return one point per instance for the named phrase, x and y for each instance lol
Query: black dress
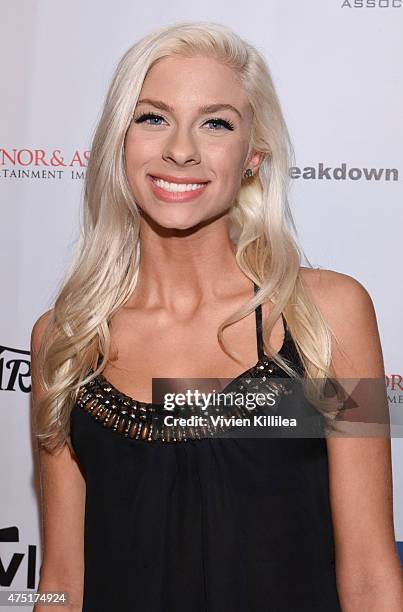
(176, 523)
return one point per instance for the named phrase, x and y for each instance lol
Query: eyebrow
(206, 108)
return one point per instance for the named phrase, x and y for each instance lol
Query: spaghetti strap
(284, 325)
(259, 334)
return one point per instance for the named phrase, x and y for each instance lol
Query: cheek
(137, 152)
(228, 160)
(231, 172)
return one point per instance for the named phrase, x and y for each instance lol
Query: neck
(181, 270)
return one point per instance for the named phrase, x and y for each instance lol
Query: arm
(369, 576)
(62, 506)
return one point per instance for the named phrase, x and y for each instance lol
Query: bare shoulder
(37, 334)
(328, 285)
(349, 312)
(39, 328)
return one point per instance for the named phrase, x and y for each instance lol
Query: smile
(175, 192)
(177, 186)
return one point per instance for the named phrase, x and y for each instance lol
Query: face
(185, 163)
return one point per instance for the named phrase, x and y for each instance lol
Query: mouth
(177, 183)
(177, 189)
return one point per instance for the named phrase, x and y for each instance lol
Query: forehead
(181, 81)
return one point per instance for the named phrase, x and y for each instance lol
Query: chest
(153, 345)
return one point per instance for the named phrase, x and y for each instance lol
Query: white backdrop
(336, 65)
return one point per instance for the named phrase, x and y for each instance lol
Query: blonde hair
(104, 272)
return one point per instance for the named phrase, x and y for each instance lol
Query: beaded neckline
(145, 421)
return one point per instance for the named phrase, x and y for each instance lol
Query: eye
(227, 124)
(146, 116)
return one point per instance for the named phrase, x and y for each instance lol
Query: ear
(253, 161)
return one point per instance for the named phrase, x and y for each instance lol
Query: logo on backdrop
(344, 173)
(9, 571)
(394, 387)
(43, 164)
(15, 369)
(372, 4)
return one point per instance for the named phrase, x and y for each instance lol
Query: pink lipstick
(177, 196)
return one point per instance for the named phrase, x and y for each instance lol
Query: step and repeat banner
(337, 68)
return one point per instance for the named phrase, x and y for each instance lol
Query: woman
(186, 233)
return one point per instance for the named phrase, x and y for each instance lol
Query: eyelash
(227, 124)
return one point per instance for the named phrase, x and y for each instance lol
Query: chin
(177, 220)
(178, 224)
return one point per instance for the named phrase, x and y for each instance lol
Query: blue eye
(227, 124)
(145, 117)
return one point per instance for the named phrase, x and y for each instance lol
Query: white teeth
(177, 186)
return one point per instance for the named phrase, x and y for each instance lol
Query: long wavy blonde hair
(104, 270)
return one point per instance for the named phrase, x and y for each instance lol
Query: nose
(181, 148)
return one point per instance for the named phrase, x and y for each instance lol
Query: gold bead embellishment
(141, 421)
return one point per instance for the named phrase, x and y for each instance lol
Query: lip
(177, 196)
(178, 179)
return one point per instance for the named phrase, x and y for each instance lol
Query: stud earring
(248, 173)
